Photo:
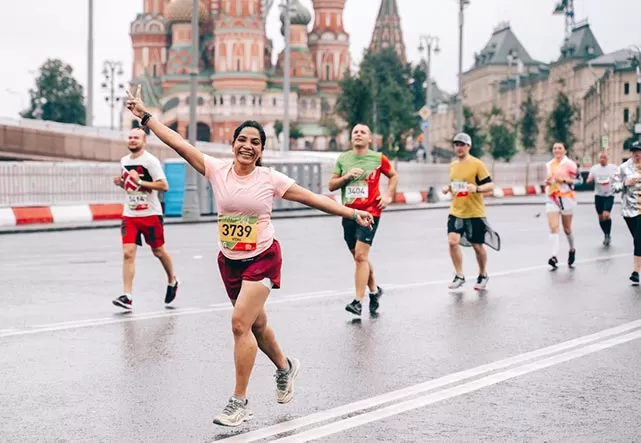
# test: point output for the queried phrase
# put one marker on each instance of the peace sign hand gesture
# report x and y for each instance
(134, 104)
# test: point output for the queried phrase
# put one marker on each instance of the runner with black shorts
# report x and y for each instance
(467, 224)
(601, 175)
(142, 177)
(357, 174)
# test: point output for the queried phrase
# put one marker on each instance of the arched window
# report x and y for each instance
(327, 72)
(243, 101)
(233, 100)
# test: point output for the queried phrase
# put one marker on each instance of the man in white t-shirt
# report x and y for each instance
(142, 177)
(601, 175)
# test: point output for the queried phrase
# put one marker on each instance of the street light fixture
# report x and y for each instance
(112, 69)
(426, 43)
(459, 99)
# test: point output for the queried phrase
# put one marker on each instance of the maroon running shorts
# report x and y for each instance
(267, 264)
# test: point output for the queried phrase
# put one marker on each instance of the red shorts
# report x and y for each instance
(132, 229)
(267, 264)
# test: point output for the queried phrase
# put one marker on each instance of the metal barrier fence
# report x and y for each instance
(71, 183)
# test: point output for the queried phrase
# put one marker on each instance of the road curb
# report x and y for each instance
(288, 214)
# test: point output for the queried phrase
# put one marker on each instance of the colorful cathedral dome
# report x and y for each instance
(181, 11)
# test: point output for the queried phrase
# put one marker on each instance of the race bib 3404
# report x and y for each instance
(356, 190)
(238, 232)
(138, 201)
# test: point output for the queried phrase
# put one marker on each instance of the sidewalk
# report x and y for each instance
(584, 198)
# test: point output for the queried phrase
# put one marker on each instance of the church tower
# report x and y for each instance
(329, 44)
(387, 30)
(239, 46)
(149, 40)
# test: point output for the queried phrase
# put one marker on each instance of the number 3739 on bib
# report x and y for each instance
(238, 232)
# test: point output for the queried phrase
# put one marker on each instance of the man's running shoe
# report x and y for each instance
(481, 282)
(553, 262)
(285, 381)
(634, 278)
(606, 240)
(123, 301)
(354, 307)
(457, 282)
(172, 290)
(571, 257)
(373, 299)
(235, 413)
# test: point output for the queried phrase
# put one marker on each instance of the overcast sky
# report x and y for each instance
(58, 29)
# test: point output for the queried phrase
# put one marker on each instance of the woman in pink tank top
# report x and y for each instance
(250, 258)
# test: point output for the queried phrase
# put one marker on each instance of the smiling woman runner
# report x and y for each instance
(250, 257)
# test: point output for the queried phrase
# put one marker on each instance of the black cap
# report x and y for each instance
(636, 146)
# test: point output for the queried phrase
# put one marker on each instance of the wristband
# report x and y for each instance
(355, 216)
(145, 119)
(139, 182)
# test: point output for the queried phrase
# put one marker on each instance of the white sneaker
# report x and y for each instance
(481, 282)
(457, 282)
(285, 381)
(235, 413)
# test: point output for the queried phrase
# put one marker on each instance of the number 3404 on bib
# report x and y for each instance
(238, 232)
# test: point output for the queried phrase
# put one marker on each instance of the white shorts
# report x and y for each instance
(564, 205)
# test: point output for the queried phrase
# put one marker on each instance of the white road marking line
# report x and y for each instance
(6, 330)
(456, 391)
(424, 387)
(286, 299)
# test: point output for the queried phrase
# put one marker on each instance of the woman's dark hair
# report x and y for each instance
(261, 132)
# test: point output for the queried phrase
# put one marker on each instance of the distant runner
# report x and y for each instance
(467, 224)
(357, 174)
(142, 177)
(601, 175)
(560, 200)
(627, 181)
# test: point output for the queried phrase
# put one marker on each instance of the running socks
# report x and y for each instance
(570, 240)
(606, 226)
(554, 241)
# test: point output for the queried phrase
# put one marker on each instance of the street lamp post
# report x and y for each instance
(636, 62)
(428, 41)
(286, 5)
(112, 69)
(459, 98)
(89, 109)
(191, 208)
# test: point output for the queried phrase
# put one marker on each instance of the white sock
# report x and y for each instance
(554, 240)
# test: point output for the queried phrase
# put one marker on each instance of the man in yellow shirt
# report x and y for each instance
(466, 223)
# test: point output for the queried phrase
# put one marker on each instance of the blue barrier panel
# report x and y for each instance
(175, 197)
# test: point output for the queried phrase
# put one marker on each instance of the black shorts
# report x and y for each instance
(603, 204)
(353, 232)
(473, 228)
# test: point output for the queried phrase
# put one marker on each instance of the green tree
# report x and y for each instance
(529, 125)
(416, 87)
(471, 127)
(354, 101)
(382, 85)
(278, 128)
(529, 128)
(560, 121)
(57, 96)
(501, 136)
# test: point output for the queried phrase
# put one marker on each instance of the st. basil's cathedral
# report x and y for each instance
(236, 79)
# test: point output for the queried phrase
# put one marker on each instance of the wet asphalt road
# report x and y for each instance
(471, 366)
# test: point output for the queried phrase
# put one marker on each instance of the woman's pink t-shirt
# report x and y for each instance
(251, 196)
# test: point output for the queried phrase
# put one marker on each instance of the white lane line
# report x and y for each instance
(421, 388)
(456, 391)
(286, 299)
(6, 330)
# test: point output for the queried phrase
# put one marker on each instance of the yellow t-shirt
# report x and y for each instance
(467, 204)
